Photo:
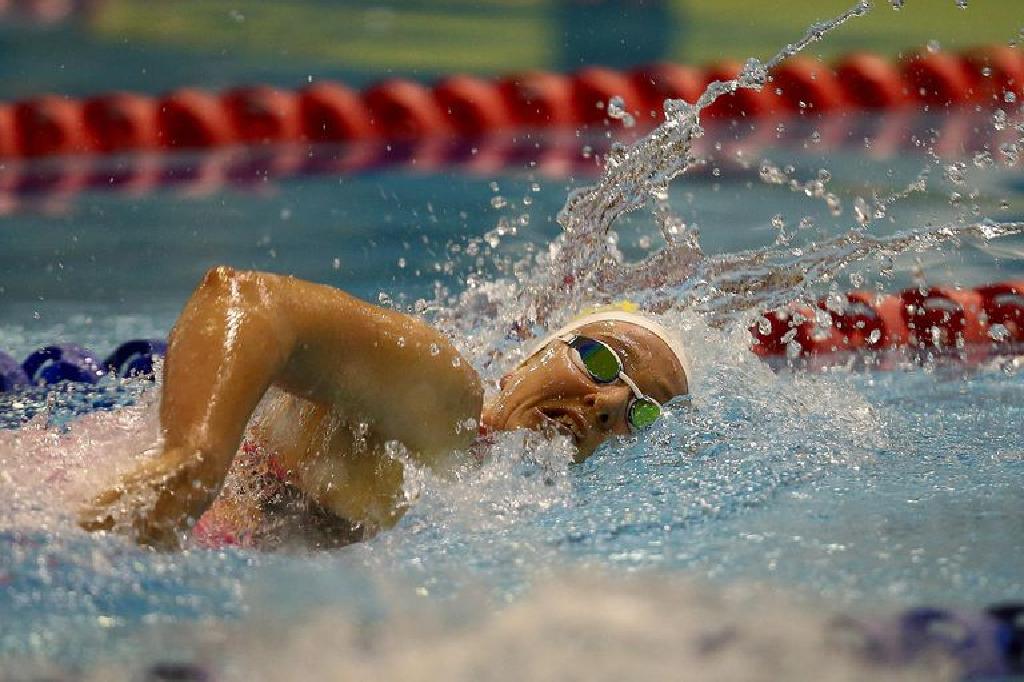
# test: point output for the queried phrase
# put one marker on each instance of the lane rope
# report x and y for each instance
(469, 106)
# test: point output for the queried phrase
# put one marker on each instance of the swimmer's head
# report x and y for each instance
(552, 388)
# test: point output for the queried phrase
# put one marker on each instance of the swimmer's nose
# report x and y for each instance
(609, 405)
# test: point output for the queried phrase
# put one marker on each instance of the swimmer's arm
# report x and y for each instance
(242, 332)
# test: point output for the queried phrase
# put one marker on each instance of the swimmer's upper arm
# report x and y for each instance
(401, 374)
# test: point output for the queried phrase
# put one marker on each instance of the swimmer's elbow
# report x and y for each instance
(219, 276)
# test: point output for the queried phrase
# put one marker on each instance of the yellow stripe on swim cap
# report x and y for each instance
(624, 305)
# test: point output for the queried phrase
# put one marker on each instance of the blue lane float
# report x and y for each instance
(986, 645)
(63, 362)
(136, 357)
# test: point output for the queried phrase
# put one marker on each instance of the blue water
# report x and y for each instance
(847, 489)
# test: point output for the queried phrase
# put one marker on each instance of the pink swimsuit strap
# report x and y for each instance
(214, 530)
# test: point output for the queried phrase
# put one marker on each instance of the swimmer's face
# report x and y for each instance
(551, 391)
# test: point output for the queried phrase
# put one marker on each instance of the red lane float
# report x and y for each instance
(938, 79)
(49, 126)
(470, 106)
(331, 112)
(30, 185)
(808, 84)
(193, 119)
(262, 114)
(8, 143)
(937, 317)
(403, 109)
(1005, 67)
(538, 99)
(121, 121)
(473, 106)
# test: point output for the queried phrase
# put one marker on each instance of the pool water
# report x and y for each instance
(847, 490)
(724, 540)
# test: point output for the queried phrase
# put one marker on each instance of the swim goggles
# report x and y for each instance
(603, 365)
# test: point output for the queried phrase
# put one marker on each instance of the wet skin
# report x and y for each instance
(552, 391)
(349, 378)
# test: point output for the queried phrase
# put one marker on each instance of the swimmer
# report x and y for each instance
(349, 380)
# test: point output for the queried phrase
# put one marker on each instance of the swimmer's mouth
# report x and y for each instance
(560, 421)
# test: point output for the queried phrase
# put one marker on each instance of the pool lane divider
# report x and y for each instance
(469, 106)
(69, 362)
(917, 318)
(936, 318)
(50, 184)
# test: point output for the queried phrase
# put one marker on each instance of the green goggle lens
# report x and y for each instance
(643, 412)
(599, 360)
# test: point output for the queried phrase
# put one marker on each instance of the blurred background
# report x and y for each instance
(88, 256)
(83, 46)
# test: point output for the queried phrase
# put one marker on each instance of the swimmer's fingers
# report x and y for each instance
(156, 501)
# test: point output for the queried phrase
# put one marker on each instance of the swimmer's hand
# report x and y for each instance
(156, 501)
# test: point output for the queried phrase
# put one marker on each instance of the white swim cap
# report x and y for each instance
(621, 312)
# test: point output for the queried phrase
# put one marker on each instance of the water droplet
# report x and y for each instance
(875, 336)
(286, 214)
(401, 262)
(860, 211)
(401, 342)
(527, 200)
(434, 349)
(617, 108)
(999, 119)
(336, 264)
(933, 46)
(897, 4)
(499, 202)
(998, 332)
(1010, 152)
(956, 172)
(961, 4)
(1009, 97)
(835, 206)
(856, 279)
(456, 361)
